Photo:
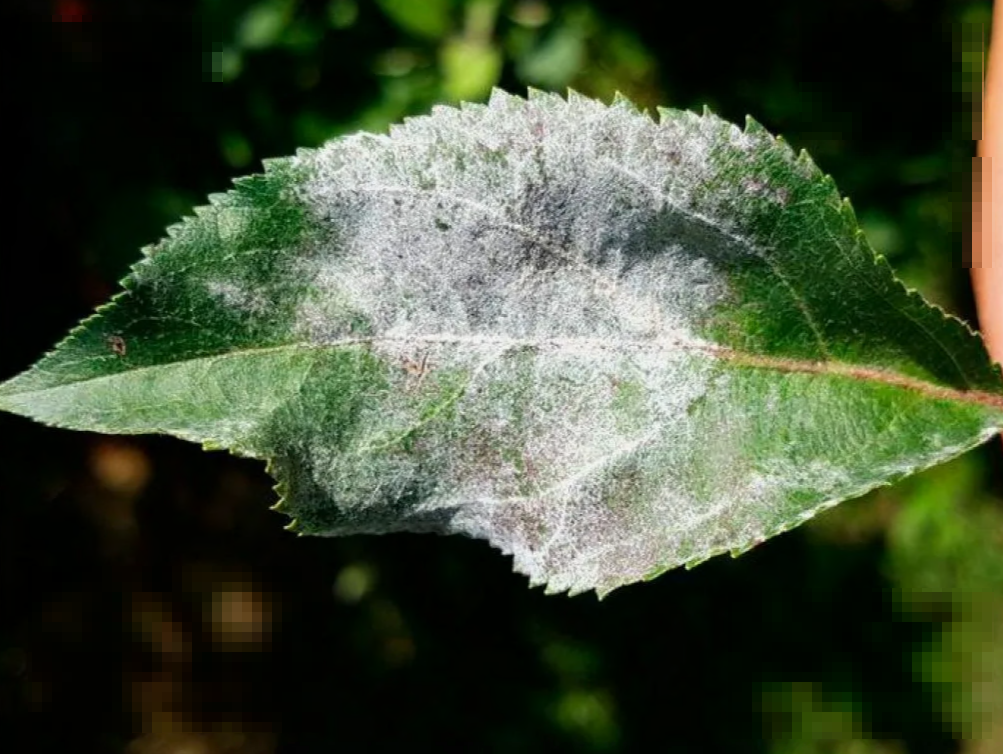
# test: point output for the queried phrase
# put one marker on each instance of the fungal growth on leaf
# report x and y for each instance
(606, 343)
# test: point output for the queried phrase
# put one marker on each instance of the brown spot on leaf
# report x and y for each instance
(117, 344)
(416, 369)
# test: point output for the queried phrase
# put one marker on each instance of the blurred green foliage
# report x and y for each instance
(873, 630)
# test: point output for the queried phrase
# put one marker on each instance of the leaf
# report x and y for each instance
(607, 345)
(431, 18)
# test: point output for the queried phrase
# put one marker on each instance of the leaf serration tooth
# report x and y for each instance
(622, 101)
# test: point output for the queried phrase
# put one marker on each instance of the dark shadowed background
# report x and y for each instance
(150, 601)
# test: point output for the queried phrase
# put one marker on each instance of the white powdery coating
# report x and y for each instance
(237, 297)
(551, 258)
(595, 484)
(515, 244)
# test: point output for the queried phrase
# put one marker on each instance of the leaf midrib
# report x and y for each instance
(591, 345)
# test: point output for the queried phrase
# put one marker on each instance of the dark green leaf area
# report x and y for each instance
(219, 282)
(807, 284)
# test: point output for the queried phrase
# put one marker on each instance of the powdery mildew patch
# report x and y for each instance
(555, 262)
(239, 297)
(537, 277)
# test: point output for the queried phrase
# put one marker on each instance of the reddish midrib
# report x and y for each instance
(852, 371)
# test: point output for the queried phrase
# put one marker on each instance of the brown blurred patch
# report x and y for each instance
(120, 467)
(154, 624)
(218, 742)
(118, 473)
(240, 618)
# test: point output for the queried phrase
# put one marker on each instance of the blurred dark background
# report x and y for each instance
(150, 601)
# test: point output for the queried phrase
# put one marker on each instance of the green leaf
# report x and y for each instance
(469, 68)
(607, 345)
(429, 18)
